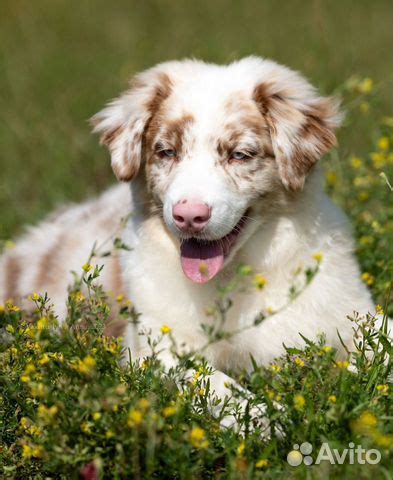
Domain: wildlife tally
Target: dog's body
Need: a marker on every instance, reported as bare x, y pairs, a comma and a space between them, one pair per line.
229, 156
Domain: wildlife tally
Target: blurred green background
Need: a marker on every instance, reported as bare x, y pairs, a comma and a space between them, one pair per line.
61, 60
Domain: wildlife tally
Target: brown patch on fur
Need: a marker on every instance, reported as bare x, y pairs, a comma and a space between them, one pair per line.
115, 327
48, 264
13, 269
108, 137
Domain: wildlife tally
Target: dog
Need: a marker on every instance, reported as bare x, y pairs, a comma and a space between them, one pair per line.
219, 166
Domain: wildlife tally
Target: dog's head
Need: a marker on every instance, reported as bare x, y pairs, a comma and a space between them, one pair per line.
219, 146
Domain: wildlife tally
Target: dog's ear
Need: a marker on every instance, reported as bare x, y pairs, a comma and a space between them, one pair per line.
123, 122
302, 124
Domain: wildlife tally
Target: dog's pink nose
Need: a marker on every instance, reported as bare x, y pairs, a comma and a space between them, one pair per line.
191, 217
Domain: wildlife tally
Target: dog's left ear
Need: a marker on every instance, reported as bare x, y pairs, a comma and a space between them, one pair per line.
302, 124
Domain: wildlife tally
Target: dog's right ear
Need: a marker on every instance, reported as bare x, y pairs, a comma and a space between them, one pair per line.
123, 122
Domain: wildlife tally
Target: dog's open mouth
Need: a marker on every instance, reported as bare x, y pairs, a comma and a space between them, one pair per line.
201, 260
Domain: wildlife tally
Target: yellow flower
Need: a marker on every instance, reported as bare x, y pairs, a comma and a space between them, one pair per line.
262, 463
383, 143
29, 451
96, 416
332, 398
165, 329
120, 298
34, 297
364, 107
203, 269
86, 365
259, 281
366, 85
135, 418
85, 427
331, 178
378, 159
299, 402
169, 411
241, 448
109, 434
365, 423
44, 360
30, 368
275, 368
38, 390
343, 364
379, 310
356, 162
363, 196
366, 240
78, 297
47, 413
42, 323
87, 267
144, 404
25, 378
368, 278
270, 310
383, 389
318, 257
197, 438
10, 329
299, 362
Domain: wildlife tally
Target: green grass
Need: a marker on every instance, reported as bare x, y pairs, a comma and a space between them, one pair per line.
60, 62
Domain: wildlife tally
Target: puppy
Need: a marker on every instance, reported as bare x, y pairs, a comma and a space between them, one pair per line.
222, 165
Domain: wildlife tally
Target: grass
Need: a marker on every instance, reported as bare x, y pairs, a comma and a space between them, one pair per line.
66, 406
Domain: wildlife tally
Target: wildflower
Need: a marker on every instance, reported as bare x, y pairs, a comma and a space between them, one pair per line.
38, 390
169, 411
368, 278
24, 423
270, 311
10, 329
120, 298
299, 362
363, 196
42, 323
109, 434
144, 404
30, 368
366, 240
332, 398
29, 451
25, 378
14, 351
378, 159
364, 107
201, 392
259, 281
366, 86
135, 418
384, 441
44, 360
262, 463
85, 427
198, 438
87, 267
34, 297
383, 143
78, 297
203, 269
275, 368
299, 402
86, 365
343, 364
96, 416
241, 448
318, 257
379, 310
165, 329
365, 424
47, 414
383, 389
356, 162
331, 178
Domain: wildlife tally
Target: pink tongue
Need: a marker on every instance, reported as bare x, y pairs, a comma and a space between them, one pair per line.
201, 261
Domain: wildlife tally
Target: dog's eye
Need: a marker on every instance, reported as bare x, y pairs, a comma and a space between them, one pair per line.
168, 153
239, 156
